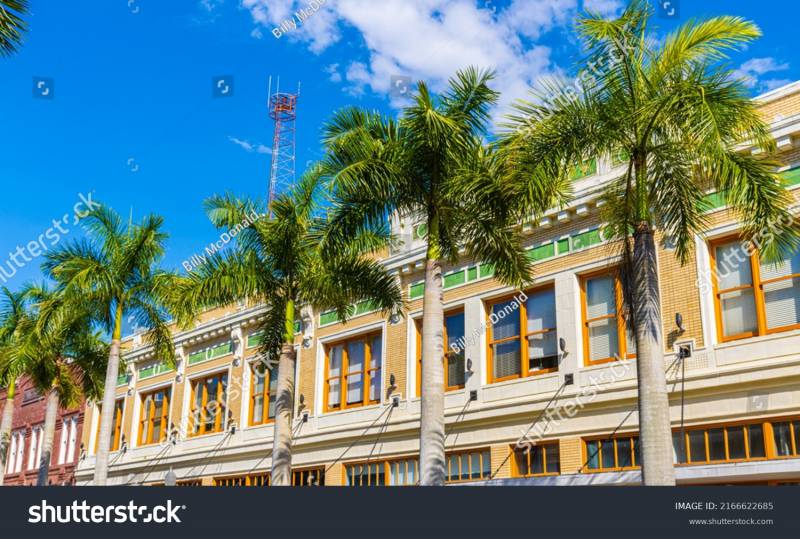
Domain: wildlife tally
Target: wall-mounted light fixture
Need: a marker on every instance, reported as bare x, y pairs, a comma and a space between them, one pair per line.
679, 322
562, 345
469, 365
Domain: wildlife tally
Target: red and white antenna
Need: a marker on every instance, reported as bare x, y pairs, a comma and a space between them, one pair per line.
283, 111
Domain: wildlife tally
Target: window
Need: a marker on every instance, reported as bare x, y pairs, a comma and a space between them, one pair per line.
753, 297
209, 402
69, 438
154, 417
787, 438
526, 322
116, 426
468, 465
454, 352
538, 460
263, 390
253, 480
35, 448
310, 477
189, 483
612, 454
400, 472
353, 373
604, 319
16, 452
730, 443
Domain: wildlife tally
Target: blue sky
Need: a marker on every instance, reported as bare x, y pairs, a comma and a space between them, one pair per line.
132, 119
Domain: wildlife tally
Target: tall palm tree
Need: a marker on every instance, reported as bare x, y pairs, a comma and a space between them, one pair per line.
673, 114
432, 164
116, 271
277, 262
12, 25
64, 359
12, 312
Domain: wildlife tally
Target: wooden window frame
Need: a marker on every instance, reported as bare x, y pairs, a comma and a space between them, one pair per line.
117, 426
366, 372
386, 464
524, 358
525, 453
632, 437
248, 480
758, 292
481, 452
164, 430
265, 418
199, 416
620, 315
297, 474
418, 329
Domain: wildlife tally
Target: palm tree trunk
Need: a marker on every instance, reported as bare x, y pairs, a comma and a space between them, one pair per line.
431, 431
655, 434
5, 428
284, 407
50, 414
107, 411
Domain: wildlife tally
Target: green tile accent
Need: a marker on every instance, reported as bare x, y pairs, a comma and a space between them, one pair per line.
715, 200
122, 379
416, 290
255, 339
563, 246
791, 177
454, 279
197, 357
542, 252
328, 318
472, 273
586, 239
420, 231
363, 307
220, 350
486, 270
582, 170
154, 370
619, 157
298, 326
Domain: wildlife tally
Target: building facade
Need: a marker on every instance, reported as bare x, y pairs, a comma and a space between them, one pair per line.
540, 383
25, 449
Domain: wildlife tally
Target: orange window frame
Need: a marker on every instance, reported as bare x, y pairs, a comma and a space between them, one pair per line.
758, 293
387, 471
418, 325
484, 455
199, 416
525, 454
301, 476
366, 372
524, 367
116, 433
252, 480
265, 417
602, 444
147, 417
619, 314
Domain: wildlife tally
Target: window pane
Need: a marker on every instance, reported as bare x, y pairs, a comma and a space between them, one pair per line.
783, 439
475, 465
697, 446
355, 388
505, 320
334, 395
452, 468
541, 308
607, 452
736, 443
624, 452
782, 303
506, 359
733, 266
600, 297
796, 426
603, 339
486, 458
273, 392
716, 444
738, 312
755, 439
782, 268
455, 368
542, 351
593, 455
355, 356
375, 351
553, 460
335, 361
537, 460
465, 466
454, 325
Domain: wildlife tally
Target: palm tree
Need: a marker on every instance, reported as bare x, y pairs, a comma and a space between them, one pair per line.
11, 314
673, 115
56, 348
12, 26
116, 272
432, 164
277, 262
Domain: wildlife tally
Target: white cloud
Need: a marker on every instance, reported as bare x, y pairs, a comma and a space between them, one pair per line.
605, 8
750, 72
250, 147
333, 73
430, 39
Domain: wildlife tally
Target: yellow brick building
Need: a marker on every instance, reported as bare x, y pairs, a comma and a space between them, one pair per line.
542, 391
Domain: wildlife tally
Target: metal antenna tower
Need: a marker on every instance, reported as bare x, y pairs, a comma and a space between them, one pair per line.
283, 111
